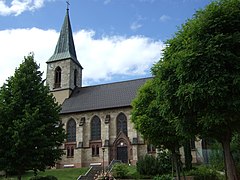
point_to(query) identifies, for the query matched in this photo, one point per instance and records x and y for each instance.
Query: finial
(68, 4)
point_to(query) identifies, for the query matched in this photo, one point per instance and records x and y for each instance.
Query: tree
(30, 129)
(156, 129)
(199, 75)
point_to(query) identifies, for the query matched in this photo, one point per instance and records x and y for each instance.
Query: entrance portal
(122, 154)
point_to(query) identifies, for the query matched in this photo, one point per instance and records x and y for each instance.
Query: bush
(163, 177)
(150, 165)
(204, 173)
(43, 178)
(120, 170)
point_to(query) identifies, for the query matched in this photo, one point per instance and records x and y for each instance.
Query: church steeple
(65, 48)
(64, 72)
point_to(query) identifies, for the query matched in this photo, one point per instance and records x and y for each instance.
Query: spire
(65, 48)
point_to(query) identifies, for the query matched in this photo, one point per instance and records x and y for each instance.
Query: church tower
(64, 72)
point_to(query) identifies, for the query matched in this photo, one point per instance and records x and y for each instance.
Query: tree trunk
(19, 177)
(176, 164)
(187, 155)
(229, 162)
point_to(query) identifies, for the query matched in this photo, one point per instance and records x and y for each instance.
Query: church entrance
(122, 154)
(122, 148)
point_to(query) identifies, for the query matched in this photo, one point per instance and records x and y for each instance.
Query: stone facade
(69, 71)
(110, 140)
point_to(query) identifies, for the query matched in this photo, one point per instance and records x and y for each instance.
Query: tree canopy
(197, 81)
(199, 75)
(151, 123)
(30, 128)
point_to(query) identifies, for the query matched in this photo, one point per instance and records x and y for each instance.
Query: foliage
(151, 165)
(30, 129)
(216, 157)
(120, 170)
(205, 172)
(216, 154)
(235, 147)
(163, 177)
(198, 78)
(148, 116)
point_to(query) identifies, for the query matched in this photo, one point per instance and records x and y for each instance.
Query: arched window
(75, 77)
(122, 124)
(57, 83)
(95, 128)
(71, 131)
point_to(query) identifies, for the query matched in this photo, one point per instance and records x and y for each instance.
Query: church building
(96, 118)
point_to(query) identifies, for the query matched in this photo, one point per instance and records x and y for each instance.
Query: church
(96, 118)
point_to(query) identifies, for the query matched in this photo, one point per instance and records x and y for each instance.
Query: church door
(122, 154)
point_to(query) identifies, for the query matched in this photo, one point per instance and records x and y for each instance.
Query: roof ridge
(118, 82)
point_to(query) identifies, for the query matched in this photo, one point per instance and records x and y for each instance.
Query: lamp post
(103, 150)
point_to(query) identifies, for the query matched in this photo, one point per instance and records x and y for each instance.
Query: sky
(115, 40)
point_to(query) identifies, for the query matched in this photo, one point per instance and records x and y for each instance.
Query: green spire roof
(65, 48)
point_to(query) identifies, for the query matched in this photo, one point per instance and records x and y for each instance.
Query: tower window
(58, 72)
(122, 124)
(75, 77)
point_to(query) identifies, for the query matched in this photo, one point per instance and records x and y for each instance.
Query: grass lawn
(61, 174)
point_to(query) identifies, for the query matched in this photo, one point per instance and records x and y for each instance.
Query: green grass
(61, 174)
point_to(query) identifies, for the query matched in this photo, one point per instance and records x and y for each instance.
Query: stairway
(91, 173)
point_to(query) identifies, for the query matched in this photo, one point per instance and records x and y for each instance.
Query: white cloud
(164, 18)
(107, 1)
(135, 25)
(16, 7)
(100, 58)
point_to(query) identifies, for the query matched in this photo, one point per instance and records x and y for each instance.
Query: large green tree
(30, 128)
(199, 75)
(149, 121)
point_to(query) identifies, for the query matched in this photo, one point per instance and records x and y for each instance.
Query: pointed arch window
(75, 77)
(57, 82)
(95, 128)
(122, 124)
(71, 131)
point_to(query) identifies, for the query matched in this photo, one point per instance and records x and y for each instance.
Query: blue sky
(115, 39)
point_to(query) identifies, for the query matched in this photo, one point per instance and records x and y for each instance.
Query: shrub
(163, 177)
(120, 170)
(204, 173)
(150, 165)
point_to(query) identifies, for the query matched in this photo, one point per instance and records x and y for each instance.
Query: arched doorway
(122, 152)
(121, 149)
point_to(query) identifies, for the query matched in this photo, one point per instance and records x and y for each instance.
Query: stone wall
(83, 152)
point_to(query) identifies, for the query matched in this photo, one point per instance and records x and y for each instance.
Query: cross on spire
(68, 4)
